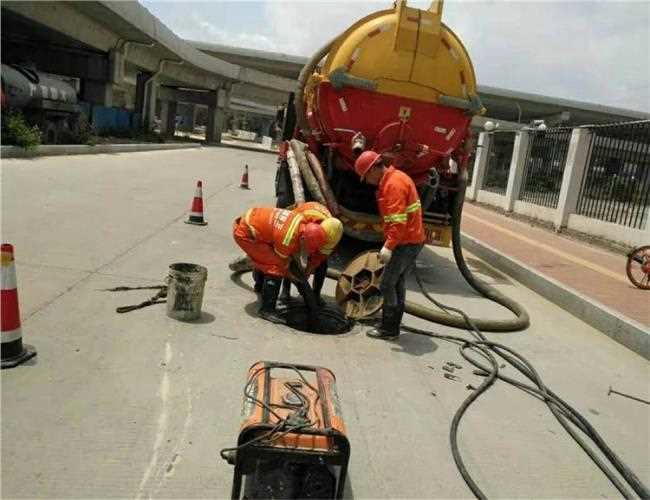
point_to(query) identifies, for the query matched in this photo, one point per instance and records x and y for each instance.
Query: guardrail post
(517, 166)
(480, 164)
(574, 170)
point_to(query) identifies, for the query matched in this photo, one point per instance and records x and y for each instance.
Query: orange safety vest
(400, 209)
(277, 227)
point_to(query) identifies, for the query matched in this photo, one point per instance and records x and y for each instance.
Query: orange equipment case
(292, 442)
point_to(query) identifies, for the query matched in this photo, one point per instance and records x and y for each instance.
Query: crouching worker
(280, 243)
(399, 207)
(313, 211)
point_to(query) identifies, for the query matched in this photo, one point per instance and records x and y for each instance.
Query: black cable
(129, 288)
(560, 409)
(561, 418)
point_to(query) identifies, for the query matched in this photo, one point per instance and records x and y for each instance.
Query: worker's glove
(385, 254)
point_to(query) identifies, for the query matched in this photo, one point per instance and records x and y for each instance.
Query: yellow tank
(398, 82)
(404, 52)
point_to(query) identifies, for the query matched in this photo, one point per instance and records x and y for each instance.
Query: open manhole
(327, 320)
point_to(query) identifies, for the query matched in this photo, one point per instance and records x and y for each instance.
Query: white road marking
(163, 419)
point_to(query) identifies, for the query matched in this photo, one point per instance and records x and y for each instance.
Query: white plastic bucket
(186, 283)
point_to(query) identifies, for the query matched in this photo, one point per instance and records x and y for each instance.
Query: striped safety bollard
(13, 350)
(196, 213)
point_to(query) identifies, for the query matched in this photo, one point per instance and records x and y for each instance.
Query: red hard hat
(365, 162)
(314, 237)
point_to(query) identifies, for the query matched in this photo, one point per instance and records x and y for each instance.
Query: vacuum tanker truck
(46, 101)
(398, 82)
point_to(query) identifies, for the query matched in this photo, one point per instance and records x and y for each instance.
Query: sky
(593, 51)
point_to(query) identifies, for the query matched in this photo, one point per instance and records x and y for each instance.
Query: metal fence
(544, 166)
(616, 183)
(498, 163)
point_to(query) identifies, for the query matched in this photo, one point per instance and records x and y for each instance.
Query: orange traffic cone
(13, 351)
(244, 179)
(196, 214)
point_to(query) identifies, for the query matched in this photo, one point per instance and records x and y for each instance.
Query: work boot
(319, 279)
(285, 293)
(320, 301)
(270, 292)
(389, 328)
(258, 277)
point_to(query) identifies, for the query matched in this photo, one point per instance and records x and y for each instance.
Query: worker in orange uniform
(316, 212)
(399, 207)
(277, 241)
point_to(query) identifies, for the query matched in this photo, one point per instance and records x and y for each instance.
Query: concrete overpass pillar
(168, 118)
(217, 115)
(151, 96)
(141, 81)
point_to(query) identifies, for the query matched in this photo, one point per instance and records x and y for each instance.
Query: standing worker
(399, 207)
(313, 211)
(280, 243)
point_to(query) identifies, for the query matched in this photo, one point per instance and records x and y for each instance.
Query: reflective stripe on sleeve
(398, 218)
(292, 230)
(413, 207)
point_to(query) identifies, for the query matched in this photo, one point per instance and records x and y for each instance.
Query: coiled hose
(520, 322)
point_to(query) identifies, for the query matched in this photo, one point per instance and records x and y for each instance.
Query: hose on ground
(521, 320)
(562, 411)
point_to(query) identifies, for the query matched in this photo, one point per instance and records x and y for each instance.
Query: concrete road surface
(139, 405)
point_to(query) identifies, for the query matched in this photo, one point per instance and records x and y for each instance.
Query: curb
(619, 328)
(82, 149)
(242, 147)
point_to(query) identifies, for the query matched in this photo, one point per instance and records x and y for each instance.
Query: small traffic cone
(244, 179)
(13, 351)
(196, 214)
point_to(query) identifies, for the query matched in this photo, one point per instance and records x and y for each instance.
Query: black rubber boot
(270, 292)
(285, 293)
(400, 315)
(319, 279)
(258, 277)
(389, 328)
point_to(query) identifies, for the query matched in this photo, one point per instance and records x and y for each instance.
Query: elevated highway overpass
(123, 55)
(509, 106)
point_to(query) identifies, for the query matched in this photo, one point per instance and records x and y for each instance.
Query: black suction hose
(522, 320)
(307, 70)
(442, 317)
